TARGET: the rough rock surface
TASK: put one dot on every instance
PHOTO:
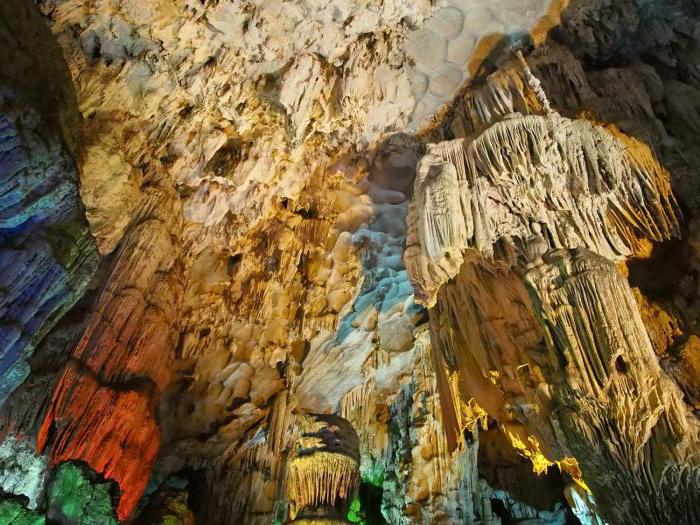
(47, 255)
(622, 417)
(486, 251)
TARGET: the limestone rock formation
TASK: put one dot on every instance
(492, 243)
(529, 184)
(323, 469)
(376, 262)
(622, 417)
(121, 365)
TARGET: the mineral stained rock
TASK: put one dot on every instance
(381, 262)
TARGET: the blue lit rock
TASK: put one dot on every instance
(47, 254)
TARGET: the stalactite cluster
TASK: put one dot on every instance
(529, 184)
(47, 255)
(323, 469)
(501, 225)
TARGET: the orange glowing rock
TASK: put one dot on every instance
(104, 407)
(112, 431)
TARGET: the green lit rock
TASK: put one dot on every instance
(76, 496)
(373, 474)
(12, 512)
(168, 507)
(355, 514)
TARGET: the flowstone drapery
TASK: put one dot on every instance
(324, 469)
(513, 239)
(528, 184)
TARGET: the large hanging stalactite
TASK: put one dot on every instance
(622, 416)
(489, 208)
(534, 182)
(104, 408)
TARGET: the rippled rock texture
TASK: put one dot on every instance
(380, 262)
(47, 255)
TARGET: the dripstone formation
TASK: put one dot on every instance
(332, 262)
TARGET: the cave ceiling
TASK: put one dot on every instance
(330, 261)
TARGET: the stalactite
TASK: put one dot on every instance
(320, 479)
(534, 183)
(534, 83)
(487, 209)
(324, 468)
(623, 417)
(103, 410)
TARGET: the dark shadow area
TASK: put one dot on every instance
(181, 495)
(371, 503)
(659, 275)
(504, 469)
